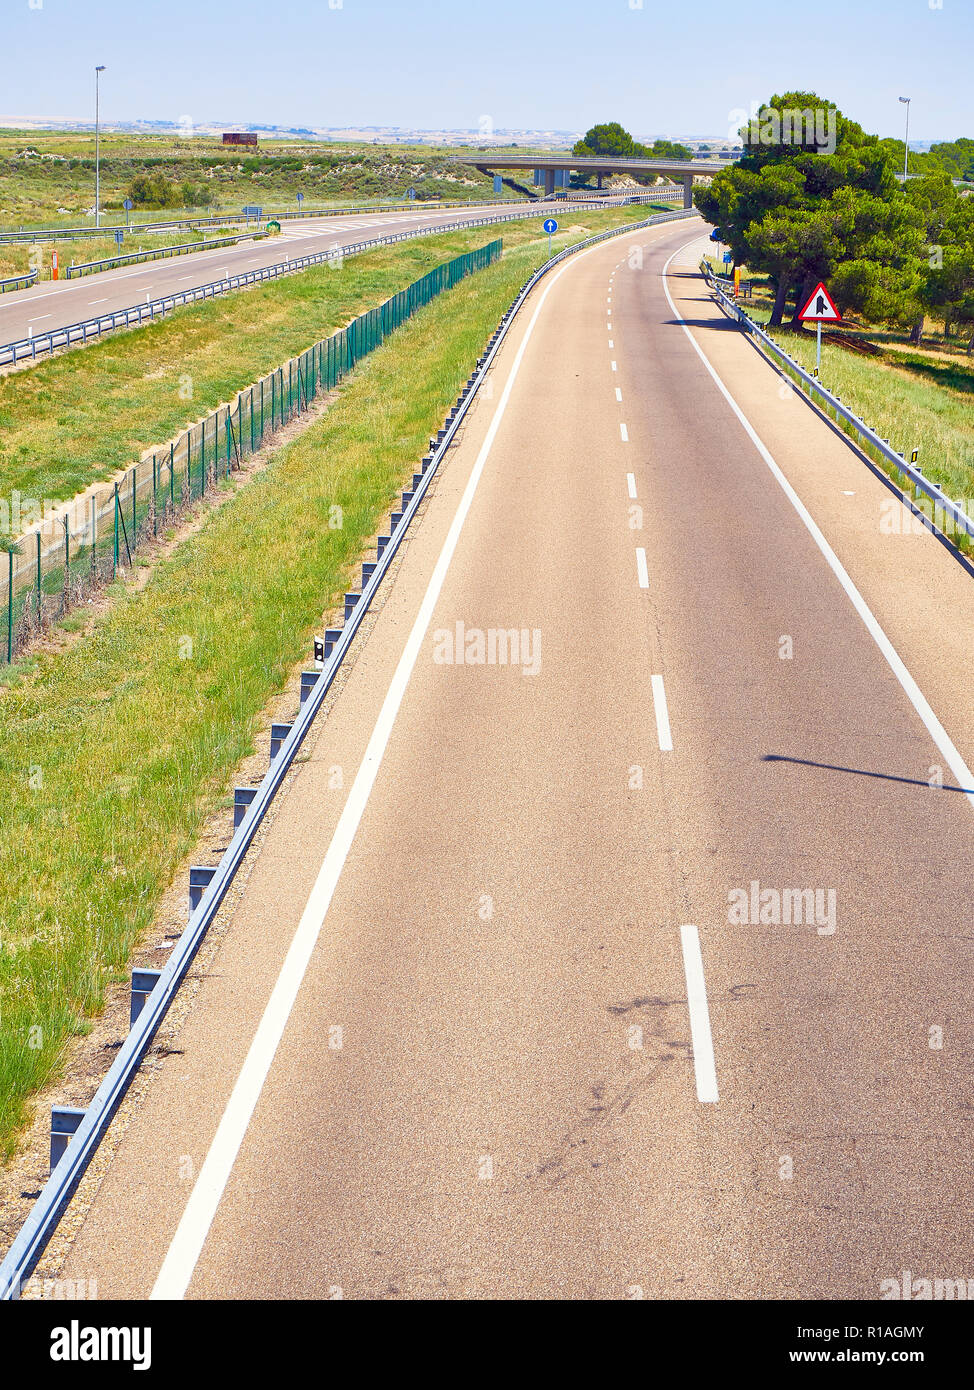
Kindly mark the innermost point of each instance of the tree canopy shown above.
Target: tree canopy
(819, 199)
(612, 139)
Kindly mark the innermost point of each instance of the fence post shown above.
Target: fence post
(38, 578)
(10, 605)
(94, 535)
(134, 519)
(67, 564)
(115, 547)
(155, 484)
(172, 479)
(251, 419)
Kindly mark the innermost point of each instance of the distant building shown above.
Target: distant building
(236, 137)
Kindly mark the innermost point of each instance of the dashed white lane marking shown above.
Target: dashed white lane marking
(701, 1037)
(611, 343)
(97, 301)
(37, 318)
(642, 570)
(614, 367)
(662, 716)
(631, 484)
(191, 1234)
(618, 394)
(624, 433)
(933, 726)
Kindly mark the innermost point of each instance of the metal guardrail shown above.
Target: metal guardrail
(223, 219)
(69, 1168)
(54, 338)
(293, 214)
(18, 282)
(161, 253)
(833, 404)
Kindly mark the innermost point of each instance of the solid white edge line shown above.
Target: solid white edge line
(935, 729)
(642, 570)
(187, 1243)
(663, 732)
(704, 1067)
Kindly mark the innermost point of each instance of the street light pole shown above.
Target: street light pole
(97, 170)
(906, 143)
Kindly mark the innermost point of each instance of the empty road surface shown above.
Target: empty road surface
(636, 962)
(57, 304)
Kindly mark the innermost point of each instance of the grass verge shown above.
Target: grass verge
(75, 419)
(113, 752)
(903, 404)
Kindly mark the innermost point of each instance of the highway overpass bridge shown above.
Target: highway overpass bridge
(679, 170)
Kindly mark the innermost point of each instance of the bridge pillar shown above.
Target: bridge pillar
(688, 190)
(549, 182)
(600, 181)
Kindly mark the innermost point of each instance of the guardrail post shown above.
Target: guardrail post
(199, 880)
(242, 798)
(308, 681)
(143, 983)
(65, 1121)
(279, 733)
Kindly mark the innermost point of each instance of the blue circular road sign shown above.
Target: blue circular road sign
(550, 225)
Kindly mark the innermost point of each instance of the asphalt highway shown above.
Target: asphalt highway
(57, 304)
(640, 965)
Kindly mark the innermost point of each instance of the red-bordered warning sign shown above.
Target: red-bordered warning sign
(820, 307)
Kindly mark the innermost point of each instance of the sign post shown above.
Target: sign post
(54, 265)
(550, 225)
(127, 205)
(820, 309)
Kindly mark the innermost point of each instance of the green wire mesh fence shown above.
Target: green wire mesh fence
(60, 562)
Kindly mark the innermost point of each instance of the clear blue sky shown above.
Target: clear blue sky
(540, 64)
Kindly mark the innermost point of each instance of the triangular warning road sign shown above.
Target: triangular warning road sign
(820, 307)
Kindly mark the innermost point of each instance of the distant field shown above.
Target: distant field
(55, 185)
(76, 418)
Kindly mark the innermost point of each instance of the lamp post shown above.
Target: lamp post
(906, 143)
(99, 69)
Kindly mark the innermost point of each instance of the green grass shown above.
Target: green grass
(77, 418)
(56, 187)
(911, 401)
(114, 751)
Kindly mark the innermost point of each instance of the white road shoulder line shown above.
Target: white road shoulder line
(663, 733)
(700, 1034)
(934, 728)
(187, 1244)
